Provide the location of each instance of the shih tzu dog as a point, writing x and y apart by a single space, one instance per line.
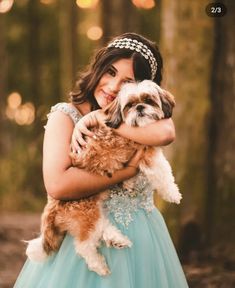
137 104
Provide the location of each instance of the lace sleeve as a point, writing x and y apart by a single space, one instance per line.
66 108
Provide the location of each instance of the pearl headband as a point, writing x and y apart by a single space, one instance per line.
139 47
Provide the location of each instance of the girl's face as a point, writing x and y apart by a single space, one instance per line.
110 83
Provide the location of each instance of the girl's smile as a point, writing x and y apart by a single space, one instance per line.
110 83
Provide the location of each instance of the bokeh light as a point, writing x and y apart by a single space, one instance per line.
5 5
47 2
14 100
25 115
144 4
22 3
94 33
87 3
22 114
10 113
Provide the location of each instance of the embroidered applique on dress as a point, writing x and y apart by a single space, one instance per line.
123 203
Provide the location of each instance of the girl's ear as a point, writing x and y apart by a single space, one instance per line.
113 111
168 103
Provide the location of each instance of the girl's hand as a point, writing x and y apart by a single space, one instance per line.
135 160
90 120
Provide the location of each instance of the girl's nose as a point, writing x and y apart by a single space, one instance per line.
114 86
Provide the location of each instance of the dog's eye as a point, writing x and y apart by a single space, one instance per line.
148 101
128 105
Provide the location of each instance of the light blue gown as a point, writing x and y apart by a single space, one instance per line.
151 262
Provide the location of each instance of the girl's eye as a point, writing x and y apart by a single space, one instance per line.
128 81
111 72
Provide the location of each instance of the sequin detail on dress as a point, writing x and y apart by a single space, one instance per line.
68 110
123 203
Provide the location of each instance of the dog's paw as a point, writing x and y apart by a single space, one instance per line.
100 267
113 237
35 251
171 194
175 198
118 242
102 271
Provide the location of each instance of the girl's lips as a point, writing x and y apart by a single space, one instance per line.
109 97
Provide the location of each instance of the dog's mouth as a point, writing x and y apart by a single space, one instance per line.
141 118
155 116
141 114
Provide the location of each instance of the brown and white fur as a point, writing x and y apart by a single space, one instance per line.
137 104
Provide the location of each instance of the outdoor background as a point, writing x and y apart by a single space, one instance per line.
44 43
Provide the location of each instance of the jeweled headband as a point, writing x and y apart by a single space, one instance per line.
139 47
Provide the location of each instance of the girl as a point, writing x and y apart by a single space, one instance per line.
151 261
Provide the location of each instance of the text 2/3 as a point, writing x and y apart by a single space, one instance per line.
216 9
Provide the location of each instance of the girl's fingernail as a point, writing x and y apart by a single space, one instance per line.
94 137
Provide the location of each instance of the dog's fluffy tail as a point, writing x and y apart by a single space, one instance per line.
35 251
51 237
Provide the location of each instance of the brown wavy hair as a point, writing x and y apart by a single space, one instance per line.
85 86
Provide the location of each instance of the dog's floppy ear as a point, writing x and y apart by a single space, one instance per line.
168 103
113 111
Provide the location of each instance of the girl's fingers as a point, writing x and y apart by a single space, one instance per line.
83 129
75 146
140 153
134 161
78 138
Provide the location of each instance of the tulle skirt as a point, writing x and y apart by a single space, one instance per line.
151 262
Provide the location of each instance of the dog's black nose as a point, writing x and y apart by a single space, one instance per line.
140 108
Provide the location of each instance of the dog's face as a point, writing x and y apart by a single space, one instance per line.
139 104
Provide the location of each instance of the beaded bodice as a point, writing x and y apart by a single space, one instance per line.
123 201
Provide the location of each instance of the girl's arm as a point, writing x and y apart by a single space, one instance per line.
160 133
64 182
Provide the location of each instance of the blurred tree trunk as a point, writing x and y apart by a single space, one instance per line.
68 44
3 59
74 38
118 17
186 42
34 51
3 73
221 156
